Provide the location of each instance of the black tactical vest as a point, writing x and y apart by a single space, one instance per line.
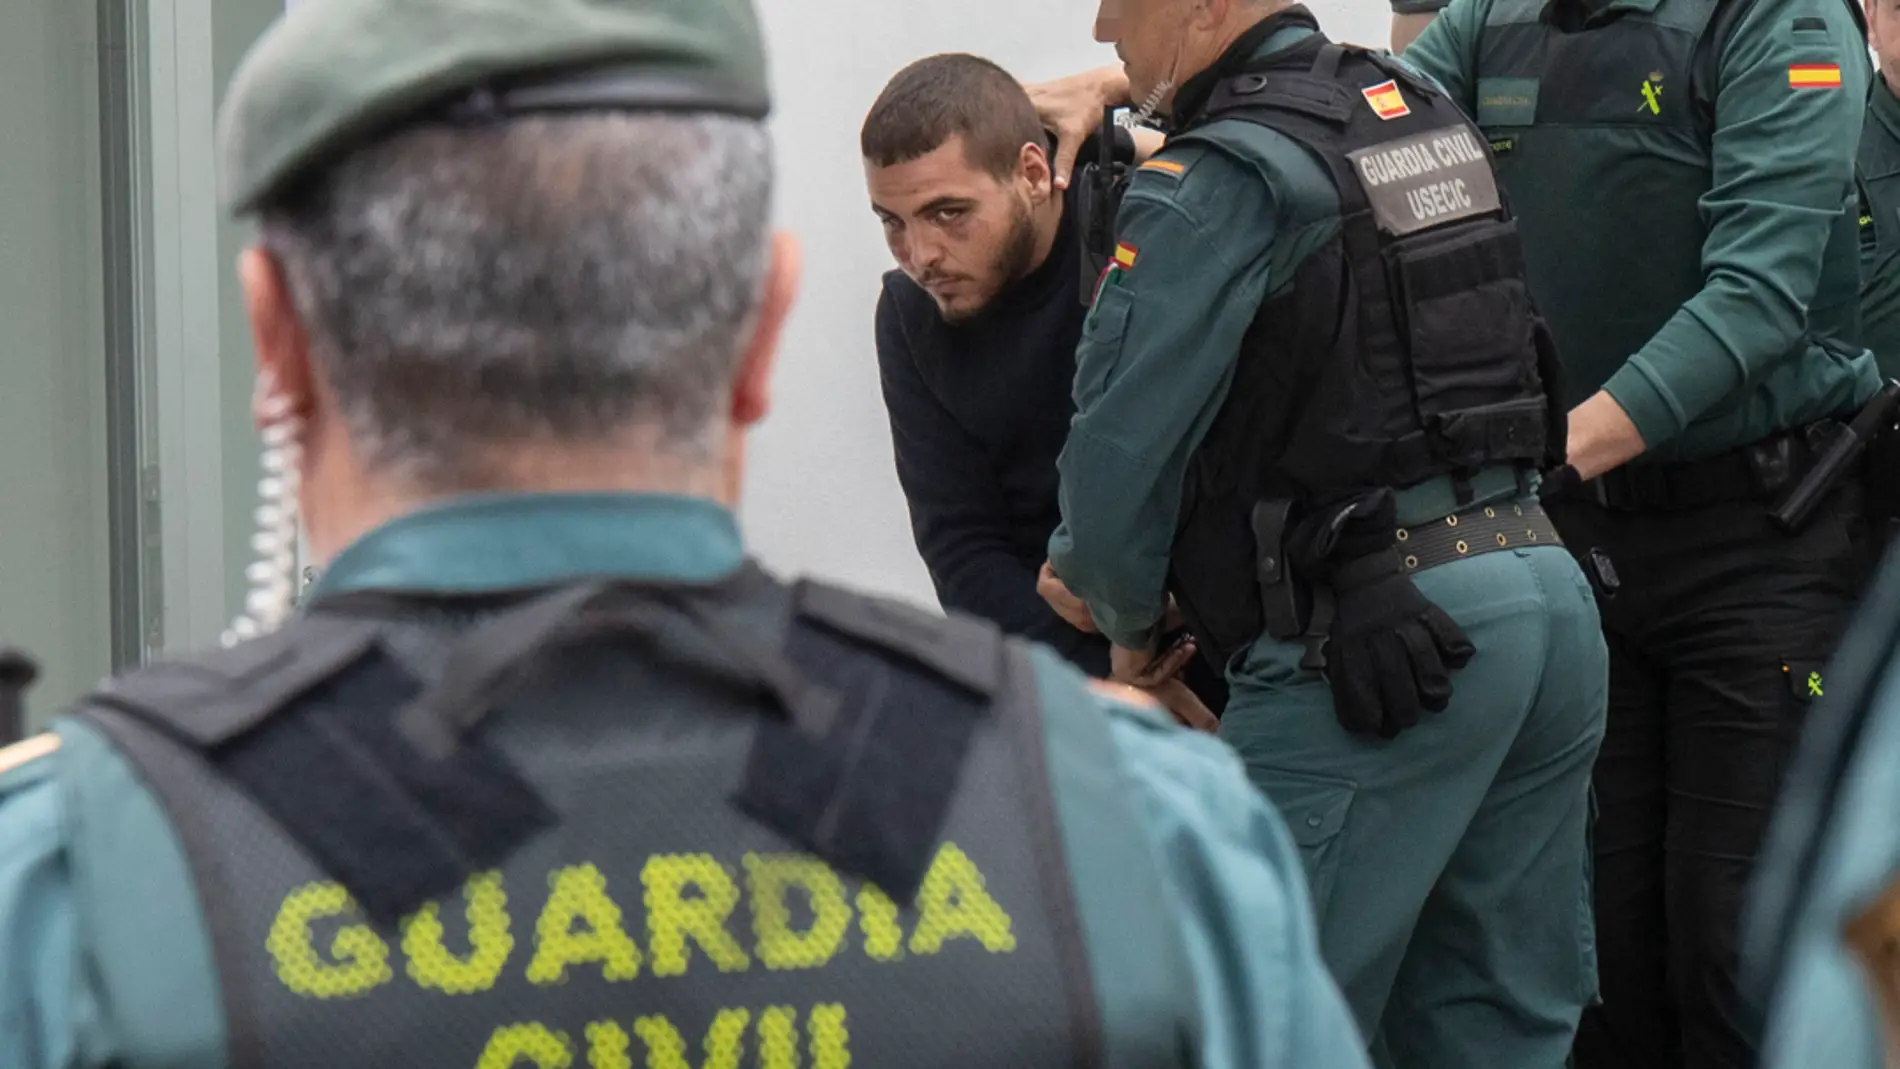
623 824
1406 348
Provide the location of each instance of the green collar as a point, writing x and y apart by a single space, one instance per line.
507 541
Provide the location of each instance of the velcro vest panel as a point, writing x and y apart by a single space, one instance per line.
1407 347
688 799
1602 131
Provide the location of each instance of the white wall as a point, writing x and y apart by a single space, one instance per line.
821 494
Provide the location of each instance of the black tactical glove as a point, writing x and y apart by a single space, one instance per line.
1387 652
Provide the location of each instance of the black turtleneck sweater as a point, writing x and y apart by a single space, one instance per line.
979 411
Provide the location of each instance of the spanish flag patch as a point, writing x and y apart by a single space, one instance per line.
1814 76
1165 166
1387 103
1125 256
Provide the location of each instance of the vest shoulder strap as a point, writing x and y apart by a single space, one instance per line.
1252 96
867 784
299 723
406 801
209 699
1302 80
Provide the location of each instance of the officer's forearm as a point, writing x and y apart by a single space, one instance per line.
1735 330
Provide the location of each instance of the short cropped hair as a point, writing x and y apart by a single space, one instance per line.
939 97
549 279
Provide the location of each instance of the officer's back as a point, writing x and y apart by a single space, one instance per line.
546 773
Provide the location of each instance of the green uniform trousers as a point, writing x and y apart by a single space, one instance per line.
1450 866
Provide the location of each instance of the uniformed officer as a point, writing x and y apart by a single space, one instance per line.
1681 170
546 773
1311 399
1879 169
1822 946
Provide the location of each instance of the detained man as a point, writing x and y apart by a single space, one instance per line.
976 338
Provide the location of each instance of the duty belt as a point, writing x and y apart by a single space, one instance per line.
1474 532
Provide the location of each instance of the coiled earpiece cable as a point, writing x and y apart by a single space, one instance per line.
273 575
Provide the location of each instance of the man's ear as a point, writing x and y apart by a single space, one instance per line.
285 382
752 385
1033 165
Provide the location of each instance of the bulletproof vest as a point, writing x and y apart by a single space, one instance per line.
616 824
1406 347
1602 129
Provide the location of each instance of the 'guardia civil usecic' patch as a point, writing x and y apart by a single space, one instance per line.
1426 180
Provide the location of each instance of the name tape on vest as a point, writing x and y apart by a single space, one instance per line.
798 912
1419 182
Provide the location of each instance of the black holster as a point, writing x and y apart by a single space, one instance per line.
1290 607
1285 604
1836 450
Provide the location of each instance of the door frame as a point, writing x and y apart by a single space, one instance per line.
164 397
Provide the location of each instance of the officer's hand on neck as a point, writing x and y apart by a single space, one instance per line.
1072 108
1602 438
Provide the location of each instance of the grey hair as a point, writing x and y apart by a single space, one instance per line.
546 279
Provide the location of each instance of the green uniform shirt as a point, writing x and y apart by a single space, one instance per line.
1717 373
83 983
1880 228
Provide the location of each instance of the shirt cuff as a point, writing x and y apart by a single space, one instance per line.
1644 399
1132 639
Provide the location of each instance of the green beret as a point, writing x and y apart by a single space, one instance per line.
330 74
